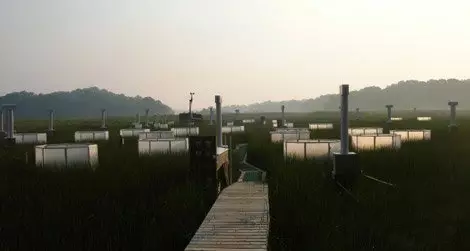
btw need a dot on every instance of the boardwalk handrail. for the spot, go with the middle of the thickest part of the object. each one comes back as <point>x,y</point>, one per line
<point>244,172</point>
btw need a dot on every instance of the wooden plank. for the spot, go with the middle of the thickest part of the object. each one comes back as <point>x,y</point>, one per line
<point>238,220</point>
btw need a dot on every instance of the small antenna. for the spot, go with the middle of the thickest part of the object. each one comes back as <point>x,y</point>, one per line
<point>190,106</point>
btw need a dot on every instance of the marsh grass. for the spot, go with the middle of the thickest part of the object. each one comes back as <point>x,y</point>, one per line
<point>127,203</point>
<point>152,203</point>
<point>426,210</point>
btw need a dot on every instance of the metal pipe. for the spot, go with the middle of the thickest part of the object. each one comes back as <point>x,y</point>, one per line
<point>211,115</point>
<point>51,120</point>
<point>104,116</point>
<point>389,112</point>
<point>344,91</point>
<point>218,110</point>
<point>2,123</point>
<point>190,109</point>
<point>147,116</point>
<point>453,105</point>
<point>283,122</point>
<point>9,120</point>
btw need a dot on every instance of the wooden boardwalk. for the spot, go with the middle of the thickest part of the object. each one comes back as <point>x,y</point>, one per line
<point>238,220</point>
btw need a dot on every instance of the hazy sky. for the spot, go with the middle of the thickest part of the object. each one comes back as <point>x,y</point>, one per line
<point>246,50</point>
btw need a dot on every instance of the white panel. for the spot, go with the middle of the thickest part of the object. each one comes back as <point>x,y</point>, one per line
<point>304,135</point>
<point>30,138</point>
<point>38,152</point>
<point>144,147</point>
<point>276,137</point>
<point>157,135</point>
<point>178,146</point>
<point>335,147</point>
<point>397,141</point>
<point>293,130</point>
<point>412,135</point>
<point>363,142</point>
<point>18,138</point>
<point>290,136</point>
<point>160,146</point>
<point>132,132</point>
<point>295,150</point>
<point>383,142</point>
<point>365,131</point>
<point>368,131</point>
<point>152,146</point>
<point>320,126</point>
<point>427,134</point>
<point>403,134</point>
<point>281,136</point>
<point>371,142</point>
<point>93,153</point>
<point>317,150</point>
<point>233,129</point>
<point>415,135</point>
<point>54,157</point>
<point>77,156</point>
<point>88,136</point>
<point>423,118</point>
<point>185,131</point>
<point>42,138</point>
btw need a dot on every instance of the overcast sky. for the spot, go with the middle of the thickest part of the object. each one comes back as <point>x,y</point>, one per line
<point>245,50</point>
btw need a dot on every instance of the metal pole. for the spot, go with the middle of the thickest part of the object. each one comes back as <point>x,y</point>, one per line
<point>51,120</point>
<point>211,115</point>
<point>103,118</point>
<point>2,123</point>
<point>344,91</point>
<point>9,120</point>
<point>283,120</point>
<point>389,113</point>
<point>453,106</point>
<point>218,110</point>
<point>147,117</point>
<point>190,109</point>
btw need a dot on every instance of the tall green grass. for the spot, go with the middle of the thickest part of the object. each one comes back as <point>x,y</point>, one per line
<point>426,210</point>
<point>127,203</point>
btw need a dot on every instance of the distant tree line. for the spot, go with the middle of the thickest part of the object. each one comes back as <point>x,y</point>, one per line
<point>81,103</point>
<point>404,95</point>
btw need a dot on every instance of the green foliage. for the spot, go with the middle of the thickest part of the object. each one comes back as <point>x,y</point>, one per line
<point>81,103</point>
